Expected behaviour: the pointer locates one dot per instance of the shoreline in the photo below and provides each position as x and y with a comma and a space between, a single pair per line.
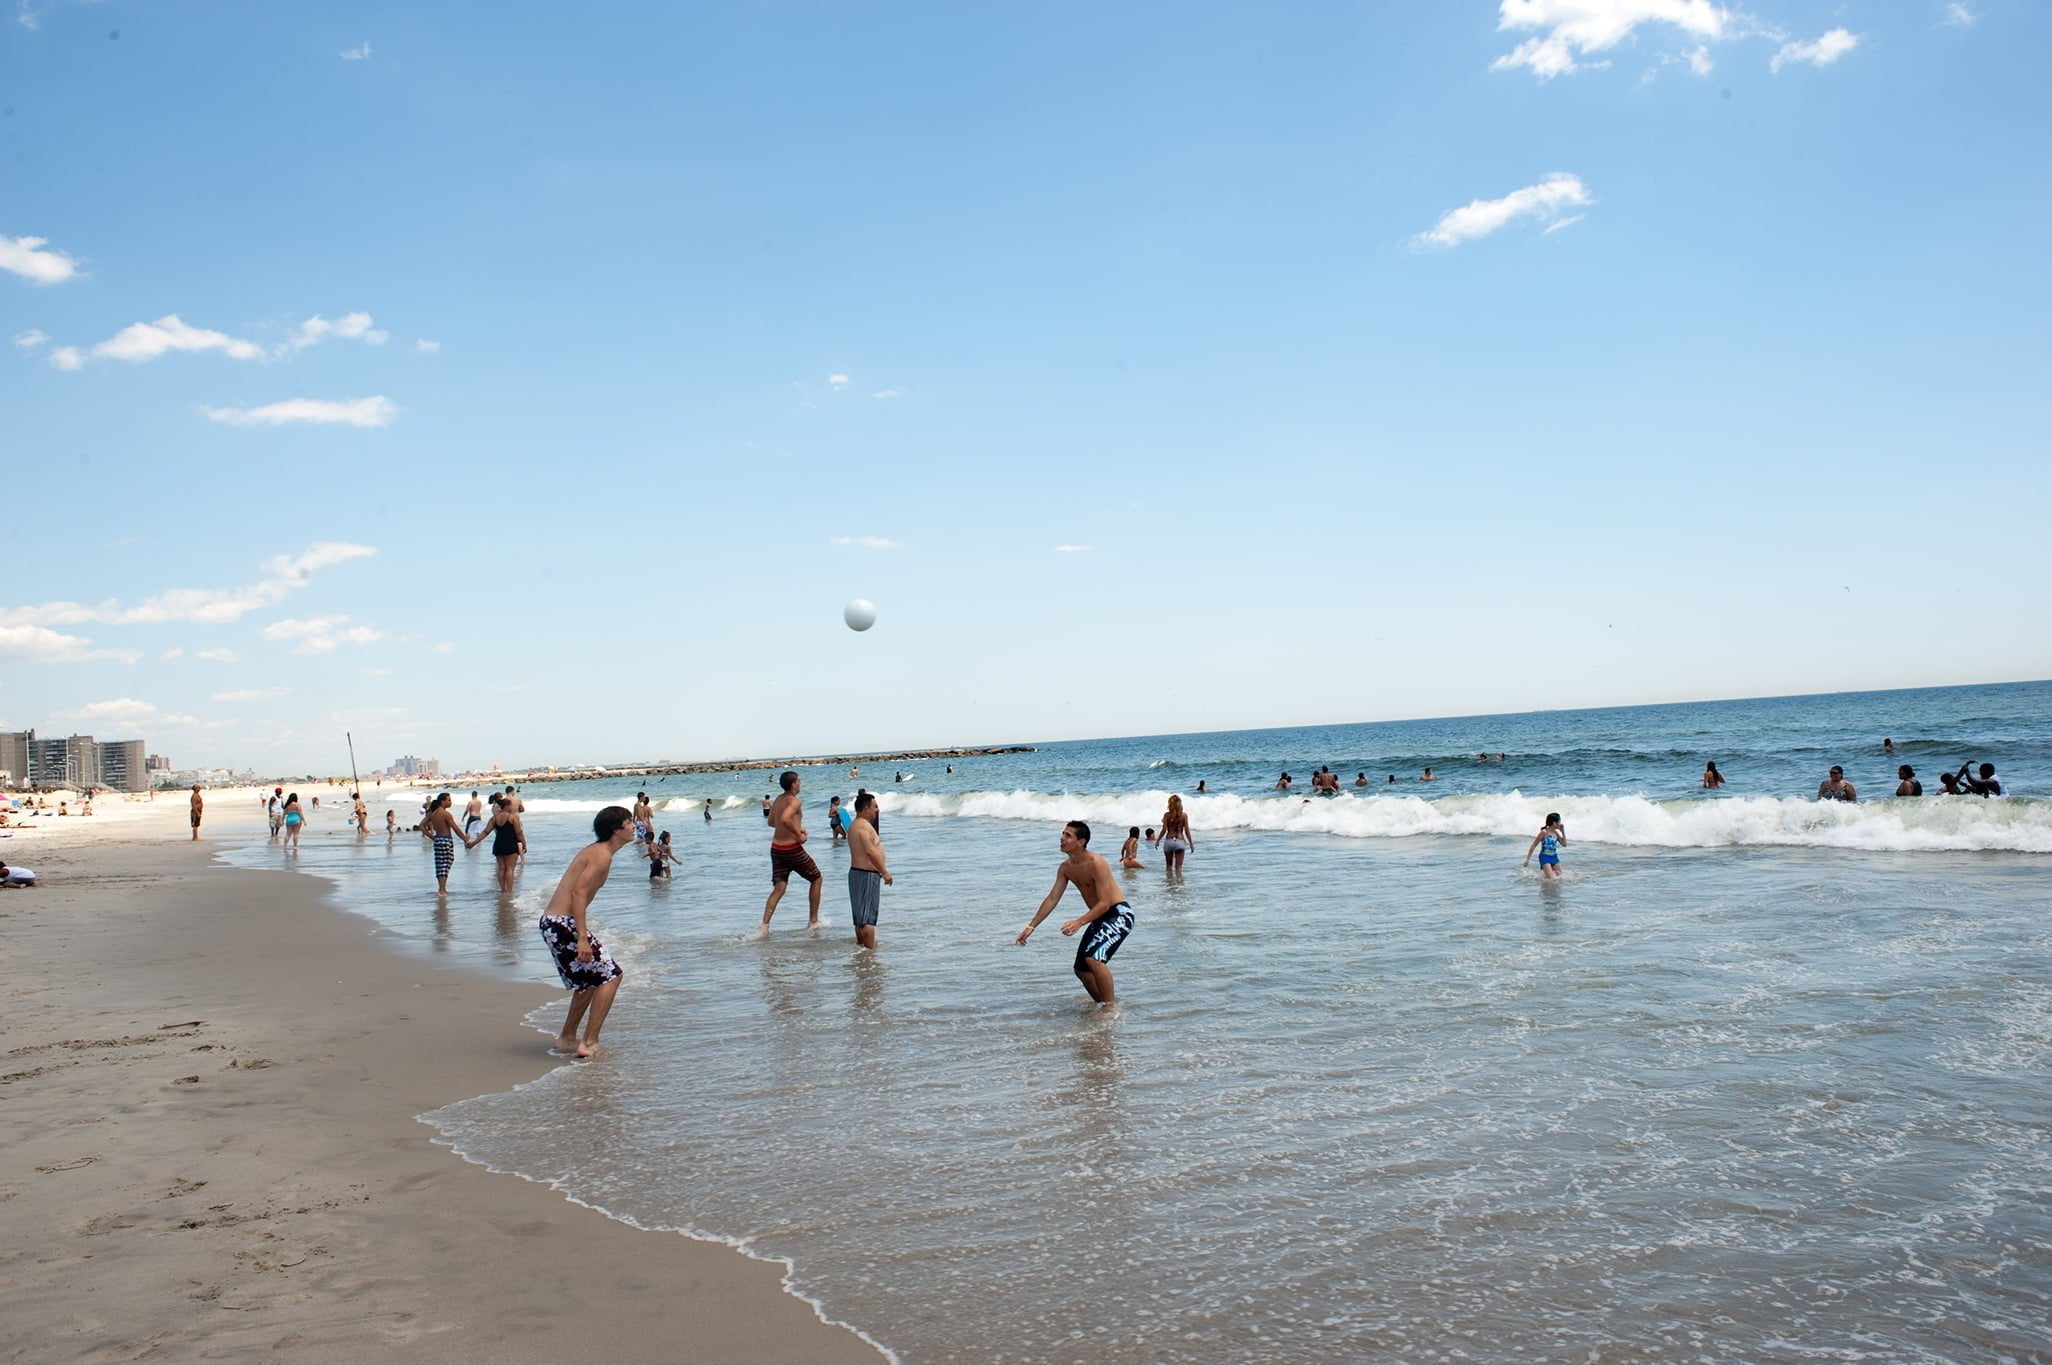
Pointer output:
215, 1077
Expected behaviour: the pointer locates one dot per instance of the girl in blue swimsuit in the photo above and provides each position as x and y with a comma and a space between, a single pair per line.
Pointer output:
1550, 839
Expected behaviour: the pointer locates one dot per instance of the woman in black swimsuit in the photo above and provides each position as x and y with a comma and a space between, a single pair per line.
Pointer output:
509, 841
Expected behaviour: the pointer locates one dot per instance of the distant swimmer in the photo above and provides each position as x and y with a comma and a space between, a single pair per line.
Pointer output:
644, 818
1427, 776
661, 856
1150, 836
1985, 785
1550, 840
1392, 780
834, 825
899, 778
391, 823
1951, 785
1129, 852
787, 850
1201, 788
708, 810
1836, 788
199, 807
587, 970
1282, 784
1712, 779
1360, 779
512, 794
1908, 786
1887, 746
868, 874
473, 814
766, 811
1107, 920
1175, 836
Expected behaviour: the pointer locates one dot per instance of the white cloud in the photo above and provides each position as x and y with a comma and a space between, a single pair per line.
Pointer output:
888, 393
426, 347
357, 54
29, 340
211, 606
25, 15
321, 634
377, 672
41, 645
1959, 16
1481, 217
869, 542
219, 656
1828, 48
350, 326
173, 652
143, 341
1071, 549
1567, 28
837, 380
376, 411
1699, 61
67, 358
119, 710
1563, 223
253, 694
445, 648
26, 257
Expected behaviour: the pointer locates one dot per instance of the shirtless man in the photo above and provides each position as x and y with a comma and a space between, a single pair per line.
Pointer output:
473, 816
1106, 920
644, 819
199, 805
588, 972
867, 872
787, 851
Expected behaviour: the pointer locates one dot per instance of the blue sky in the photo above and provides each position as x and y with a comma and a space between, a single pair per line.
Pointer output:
513, 384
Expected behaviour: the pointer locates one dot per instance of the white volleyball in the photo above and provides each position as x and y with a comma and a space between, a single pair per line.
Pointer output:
859, 615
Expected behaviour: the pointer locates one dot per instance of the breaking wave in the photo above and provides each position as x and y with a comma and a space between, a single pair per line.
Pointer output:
2013, 824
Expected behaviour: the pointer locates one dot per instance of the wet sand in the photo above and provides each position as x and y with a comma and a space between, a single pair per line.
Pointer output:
210, 1080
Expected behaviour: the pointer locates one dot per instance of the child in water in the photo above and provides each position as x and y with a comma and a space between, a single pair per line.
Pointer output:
1552, 836
1129, 853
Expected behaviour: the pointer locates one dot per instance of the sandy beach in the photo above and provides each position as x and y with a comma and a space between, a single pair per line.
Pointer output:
211, 1080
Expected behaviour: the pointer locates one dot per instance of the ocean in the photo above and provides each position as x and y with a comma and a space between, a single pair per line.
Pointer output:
1760, 1077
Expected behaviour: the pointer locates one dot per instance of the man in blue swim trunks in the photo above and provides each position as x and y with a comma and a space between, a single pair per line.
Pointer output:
1107, 919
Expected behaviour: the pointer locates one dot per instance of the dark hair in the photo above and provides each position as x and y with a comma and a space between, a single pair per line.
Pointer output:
1987, 771
788, 780
1150, 831
864, 801
607, 822
1711, 766
1080, 830
1840, 771
473, 793
641, 796
1905, 771
833, 801
1133, 833
1553, 817
290, 799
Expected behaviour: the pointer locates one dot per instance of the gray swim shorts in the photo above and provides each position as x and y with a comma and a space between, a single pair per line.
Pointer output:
865, 894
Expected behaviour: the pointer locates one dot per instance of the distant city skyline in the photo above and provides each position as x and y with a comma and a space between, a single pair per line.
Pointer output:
531, 393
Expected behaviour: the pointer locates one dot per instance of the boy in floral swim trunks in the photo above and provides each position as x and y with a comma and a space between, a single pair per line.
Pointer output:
1106, 920
589, 973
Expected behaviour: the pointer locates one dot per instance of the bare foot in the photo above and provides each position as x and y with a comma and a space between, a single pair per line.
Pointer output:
566, 1042
585, 1050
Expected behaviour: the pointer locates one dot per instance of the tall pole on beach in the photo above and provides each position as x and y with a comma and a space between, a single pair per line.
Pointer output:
355, 782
